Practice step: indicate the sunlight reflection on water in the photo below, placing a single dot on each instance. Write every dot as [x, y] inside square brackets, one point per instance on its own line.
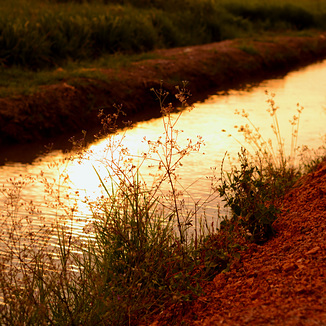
[306, 87]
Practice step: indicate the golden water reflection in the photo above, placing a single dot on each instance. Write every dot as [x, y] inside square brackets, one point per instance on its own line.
[306, 87]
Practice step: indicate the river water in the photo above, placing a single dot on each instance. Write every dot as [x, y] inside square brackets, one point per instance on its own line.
[24, 186]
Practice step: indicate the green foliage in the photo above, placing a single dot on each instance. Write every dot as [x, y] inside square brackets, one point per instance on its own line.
[253, 189]
[49, 33]
[137, 261]
[250, 195]
[135, 254]
[141, 248]
[274, 16]
[50, 38]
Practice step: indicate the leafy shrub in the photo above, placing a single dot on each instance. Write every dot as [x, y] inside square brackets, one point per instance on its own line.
[253, 189]
[248, 193]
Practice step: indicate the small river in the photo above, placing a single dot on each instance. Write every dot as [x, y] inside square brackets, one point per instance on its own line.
[207, 119]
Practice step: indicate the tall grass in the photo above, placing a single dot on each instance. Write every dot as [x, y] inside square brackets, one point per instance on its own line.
[142, 248]
[135, 254]
[42, 34]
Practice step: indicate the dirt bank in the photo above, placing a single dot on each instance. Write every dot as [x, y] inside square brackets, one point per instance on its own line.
[282, 282]
[73, 104]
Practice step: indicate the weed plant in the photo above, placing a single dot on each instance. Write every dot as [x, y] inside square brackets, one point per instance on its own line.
[135, 253]
[253, 189]
[142, 248]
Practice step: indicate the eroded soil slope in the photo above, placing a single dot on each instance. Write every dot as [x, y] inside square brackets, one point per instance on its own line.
[282, 282]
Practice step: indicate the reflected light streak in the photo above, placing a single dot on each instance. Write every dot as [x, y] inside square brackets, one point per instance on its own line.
[207, 120]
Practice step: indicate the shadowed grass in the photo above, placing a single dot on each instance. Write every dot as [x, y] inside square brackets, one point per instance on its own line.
[18, 81]
[43, 42]
[42, 34]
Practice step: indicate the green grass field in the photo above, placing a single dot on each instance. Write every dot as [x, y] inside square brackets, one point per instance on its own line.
[39, 34]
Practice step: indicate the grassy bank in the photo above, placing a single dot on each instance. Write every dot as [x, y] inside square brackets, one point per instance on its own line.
[60, 61]
[72, 103]
[38, 34]
[142, 249]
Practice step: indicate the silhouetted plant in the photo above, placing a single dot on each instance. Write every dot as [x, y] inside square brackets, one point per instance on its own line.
[252, 189]
[136, 252]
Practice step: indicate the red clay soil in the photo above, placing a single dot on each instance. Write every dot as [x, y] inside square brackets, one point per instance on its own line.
[282, 282]
[73, 104]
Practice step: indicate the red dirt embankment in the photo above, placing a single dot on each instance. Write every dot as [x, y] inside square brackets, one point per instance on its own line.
[282, 282]
[73, 104]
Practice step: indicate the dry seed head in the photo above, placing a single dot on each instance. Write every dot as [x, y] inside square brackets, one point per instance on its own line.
[299, 109]
[244, 114]
[294, 120]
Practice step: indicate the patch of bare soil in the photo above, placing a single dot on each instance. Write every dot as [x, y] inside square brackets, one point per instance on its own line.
[282, 282]
[73, 105]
